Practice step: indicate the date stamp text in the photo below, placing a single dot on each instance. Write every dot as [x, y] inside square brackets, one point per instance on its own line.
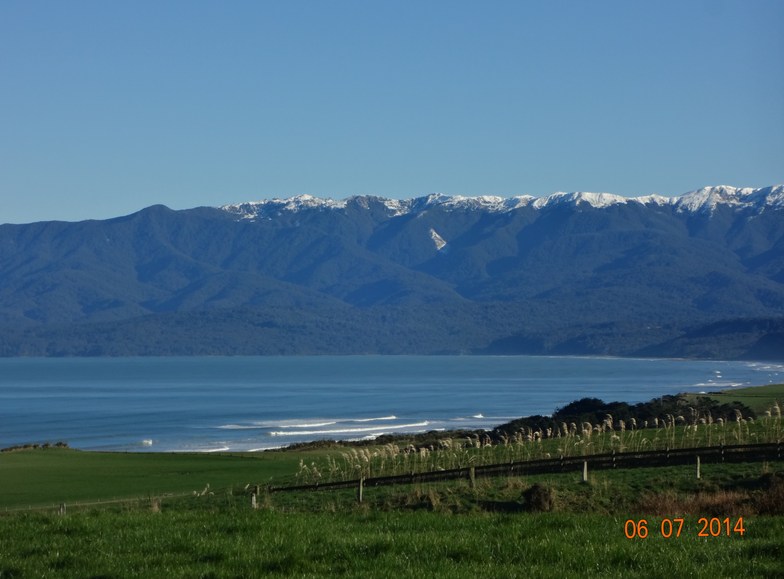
[678, 527]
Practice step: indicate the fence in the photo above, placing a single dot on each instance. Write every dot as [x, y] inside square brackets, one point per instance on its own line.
[620, 460]
[641, 459]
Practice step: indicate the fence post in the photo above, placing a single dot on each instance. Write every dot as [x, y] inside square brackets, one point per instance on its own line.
[253, 501]
[472, 476]
[698, 466]
[585, 471]
[62, 509]
[360, 489]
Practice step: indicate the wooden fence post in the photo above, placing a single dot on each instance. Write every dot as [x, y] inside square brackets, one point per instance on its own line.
[698, 466]
[62, 509]
[254, 501]
[360, 489]
[472, 476]
[585, 471]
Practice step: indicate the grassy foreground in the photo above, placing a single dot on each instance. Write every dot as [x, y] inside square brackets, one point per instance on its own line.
[438, 530]
[371, 544]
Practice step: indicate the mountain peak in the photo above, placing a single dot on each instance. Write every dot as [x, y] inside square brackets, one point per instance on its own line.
[599, 200]
[704, 200]
[270, 207]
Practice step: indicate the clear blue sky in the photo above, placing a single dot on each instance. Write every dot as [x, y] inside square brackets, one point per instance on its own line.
[107, 106]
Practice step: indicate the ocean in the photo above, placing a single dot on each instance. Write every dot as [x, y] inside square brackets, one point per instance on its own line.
[208, 404]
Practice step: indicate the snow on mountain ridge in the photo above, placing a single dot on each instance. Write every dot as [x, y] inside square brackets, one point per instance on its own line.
[255, 209]
[706, 199]
[656, 200]
[486, 202]
[593, 199]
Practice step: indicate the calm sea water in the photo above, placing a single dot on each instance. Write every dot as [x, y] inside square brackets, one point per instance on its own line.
[210, 404]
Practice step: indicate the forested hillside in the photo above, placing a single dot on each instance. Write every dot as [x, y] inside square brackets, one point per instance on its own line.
[700, 275]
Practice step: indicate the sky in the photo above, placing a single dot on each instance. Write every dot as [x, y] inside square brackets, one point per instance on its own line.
[109, 107]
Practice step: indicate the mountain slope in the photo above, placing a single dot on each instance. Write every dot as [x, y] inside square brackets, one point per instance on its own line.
[577, 273]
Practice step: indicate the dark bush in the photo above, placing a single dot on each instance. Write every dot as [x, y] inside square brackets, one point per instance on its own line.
[539, 498]
[770, 500]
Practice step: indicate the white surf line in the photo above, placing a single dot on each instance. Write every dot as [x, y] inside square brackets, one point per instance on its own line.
[307, 424]
[370, 419]
[349, 430]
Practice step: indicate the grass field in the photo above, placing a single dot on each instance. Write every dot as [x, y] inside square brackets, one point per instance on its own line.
[433, 530]
[374, 544]
[758, 398]
[53, 476]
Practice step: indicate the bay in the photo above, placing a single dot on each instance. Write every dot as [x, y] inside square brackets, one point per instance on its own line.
[254, 403]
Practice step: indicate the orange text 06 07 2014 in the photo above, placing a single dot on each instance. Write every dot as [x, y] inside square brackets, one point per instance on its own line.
[678, 527]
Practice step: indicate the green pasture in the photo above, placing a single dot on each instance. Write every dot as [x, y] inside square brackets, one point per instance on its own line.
[363, 543]
[758, 398]
[424, 530]
[52, 476]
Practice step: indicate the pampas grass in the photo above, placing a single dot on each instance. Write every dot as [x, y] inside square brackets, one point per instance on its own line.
[688, 430]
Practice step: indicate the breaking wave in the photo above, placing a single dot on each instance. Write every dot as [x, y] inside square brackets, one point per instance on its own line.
[297, 424]
[308, 424]
[347, 430]
[372, 419]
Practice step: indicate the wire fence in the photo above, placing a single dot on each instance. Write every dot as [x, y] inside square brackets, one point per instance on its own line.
[638, 459]
[571, 464]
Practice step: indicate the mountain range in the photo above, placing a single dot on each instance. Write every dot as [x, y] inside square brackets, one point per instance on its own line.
[697, 275]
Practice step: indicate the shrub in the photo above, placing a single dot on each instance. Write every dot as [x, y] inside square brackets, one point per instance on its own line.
[539, 498]
[770, 500]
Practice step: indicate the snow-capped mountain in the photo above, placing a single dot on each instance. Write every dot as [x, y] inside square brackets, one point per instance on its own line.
[706, 199]
[570, 273]
[709, 198]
